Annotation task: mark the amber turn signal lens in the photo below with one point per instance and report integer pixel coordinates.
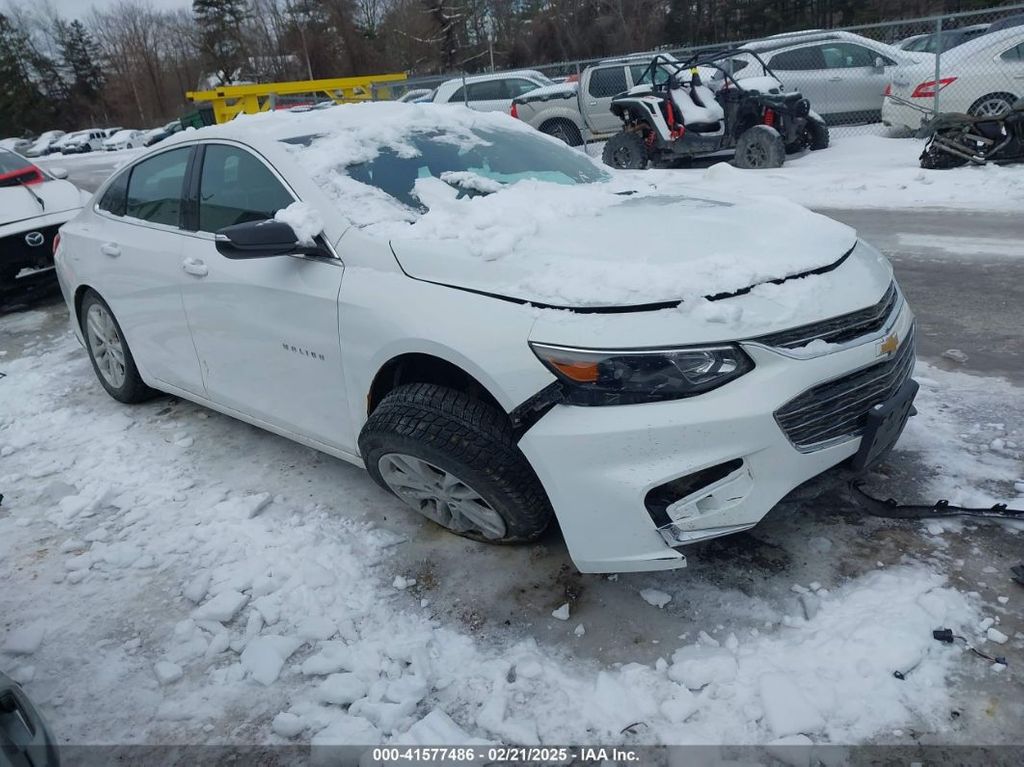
(581, 372)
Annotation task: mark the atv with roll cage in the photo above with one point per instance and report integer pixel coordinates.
(671, 116)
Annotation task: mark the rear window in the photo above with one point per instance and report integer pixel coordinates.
(799, 59)
(607, 82)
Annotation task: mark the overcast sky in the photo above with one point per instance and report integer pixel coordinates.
(80, 8)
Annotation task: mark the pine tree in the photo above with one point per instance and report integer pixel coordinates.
(80, 54)
(22, 106)
(220, 36)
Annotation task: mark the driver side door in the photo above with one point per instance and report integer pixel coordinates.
(265, 329)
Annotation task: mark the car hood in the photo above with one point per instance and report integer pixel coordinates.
(578, 248)
(17, 204)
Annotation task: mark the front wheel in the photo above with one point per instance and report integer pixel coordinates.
(760, 147)
(626, 150)
(454, 459)
(111, 358)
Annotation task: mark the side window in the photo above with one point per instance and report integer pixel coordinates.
(606, 82)
(847, 56)
(489, 90)
(115, 198)
(1016, 53)
(458, 96)
(235, 187)
(799, 59)
(636, 71)
(516, 87)
(155, 187)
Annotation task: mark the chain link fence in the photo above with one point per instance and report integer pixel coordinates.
(879, 78)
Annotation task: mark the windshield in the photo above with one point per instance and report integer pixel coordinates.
(495, 155)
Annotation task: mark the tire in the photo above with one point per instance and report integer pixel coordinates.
(936, 159)
(458, 442)
(820, 137)
(626, 151)
(564, 130)
(129, 386)
(992, 105)
(760, 147)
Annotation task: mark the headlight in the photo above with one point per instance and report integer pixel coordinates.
(623, 377)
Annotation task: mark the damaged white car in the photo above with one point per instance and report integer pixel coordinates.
(497, 328)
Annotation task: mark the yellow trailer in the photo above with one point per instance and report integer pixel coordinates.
(230, 100)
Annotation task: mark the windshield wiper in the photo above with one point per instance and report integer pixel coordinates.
(20, 181)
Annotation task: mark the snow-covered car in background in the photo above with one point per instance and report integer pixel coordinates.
(491, 324)
(45, 144)
(491, 92)
(416, 95)
(842, 74)
(983, 77)
(83, 141)
(33, 205)
(19, 145)
(156, 135)
(123, 139)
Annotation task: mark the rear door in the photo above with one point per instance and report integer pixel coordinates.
(488, 96)
(133, 248)
(803, 69)
(265, 329)
(601, 86)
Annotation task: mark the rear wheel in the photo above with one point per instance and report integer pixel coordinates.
(934, 158)
(992, 105)
(111, 358)
(564, 130)
(760, 147)
(454, 459)
(626, 150)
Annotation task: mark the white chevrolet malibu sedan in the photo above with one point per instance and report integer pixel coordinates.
(497, 328)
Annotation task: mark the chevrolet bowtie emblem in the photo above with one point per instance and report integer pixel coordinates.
(889, 345)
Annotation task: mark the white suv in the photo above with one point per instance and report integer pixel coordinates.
(491, 92)
(493, 325)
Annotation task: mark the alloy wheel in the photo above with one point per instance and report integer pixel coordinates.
(106, 345)
(756, 156)
(440, 496)
(993, 107)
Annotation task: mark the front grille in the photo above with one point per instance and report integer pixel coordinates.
(838, 409)
(839, 329)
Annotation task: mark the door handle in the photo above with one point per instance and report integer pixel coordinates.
(835, 79)
(195, 266)
(110, 249)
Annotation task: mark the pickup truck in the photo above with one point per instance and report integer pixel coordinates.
(579, 112)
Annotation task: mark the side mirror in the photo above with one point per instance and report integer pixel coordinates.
(262, 239)
(59, 173)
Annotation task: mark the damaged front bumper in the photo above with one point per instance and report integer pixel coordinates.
(632, 484)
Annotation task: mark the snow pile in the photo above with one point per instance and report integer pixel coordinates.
(203, 620)
(865, 171)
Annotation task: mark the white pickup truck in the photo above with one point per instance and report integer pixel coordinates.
(579, 112)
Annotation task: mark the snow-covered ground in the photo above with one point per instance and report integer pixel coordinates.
(864, 170)
(170, 575)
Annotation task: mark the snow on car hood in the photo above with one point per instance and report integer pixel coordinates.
(17, 204)
(588, 246)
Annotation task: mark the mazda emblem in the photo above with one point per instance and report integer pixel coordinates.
(34, 239)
